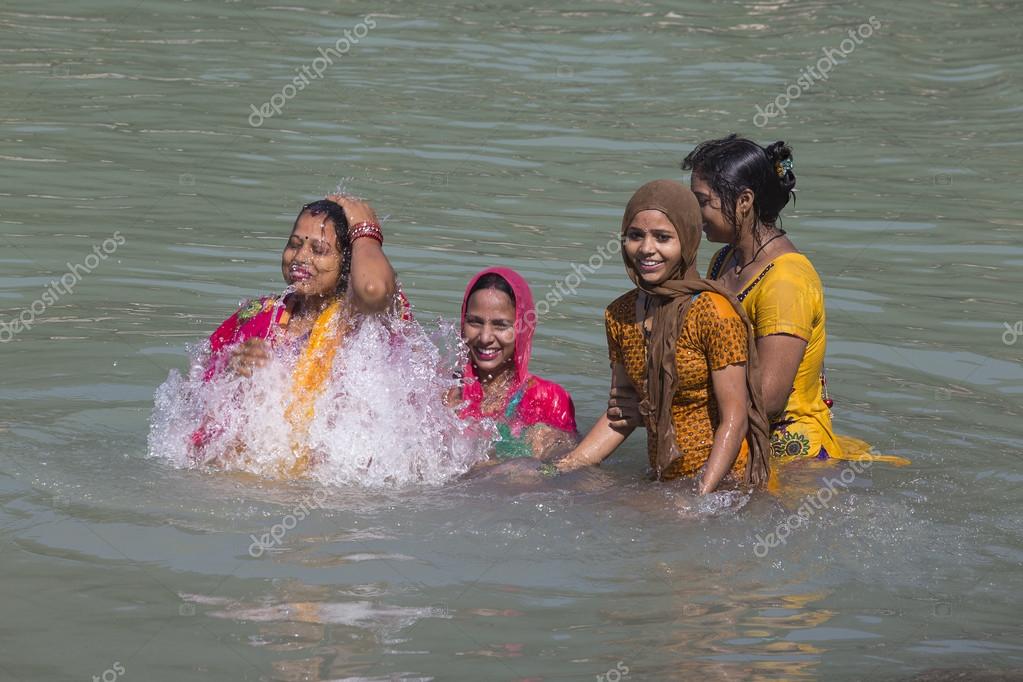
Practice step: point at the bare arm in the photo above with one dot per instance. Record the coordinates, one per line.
(780, 355)
(372, 280)
(729, 385)
(605, 436)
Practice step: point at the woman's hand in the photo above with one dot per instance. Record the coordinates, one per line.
(623, 407)
(247, 356)
(356, 211)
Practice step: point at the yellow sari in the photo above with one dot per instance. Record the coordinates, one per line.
(310, 375)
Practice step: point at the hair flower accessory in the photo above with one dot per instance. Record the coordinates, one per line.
(782, 167)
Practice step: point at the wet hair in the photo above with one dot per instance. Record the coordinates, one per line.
(336, 215)
(492, 280)
(733, 164)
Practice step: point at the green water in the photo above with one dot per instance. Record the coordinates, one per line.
(503, 134)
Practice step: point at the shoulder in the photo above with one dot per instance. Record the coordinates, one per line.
(252, 307)
(712, 321)
(623, 308)
(715, 305)
(795, 267)
(230, 329)
(540, 387)
(547, 402)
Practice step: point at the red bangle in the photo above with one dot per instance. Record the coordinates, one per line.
(366, 229)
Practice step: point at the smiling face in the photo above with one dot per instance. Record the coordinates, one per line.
(311, 261)
(715, 223)
(489, 331)
(652, 245)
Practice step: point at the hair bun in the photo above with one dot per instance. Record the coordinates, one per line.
(780, 156)
(778, 151)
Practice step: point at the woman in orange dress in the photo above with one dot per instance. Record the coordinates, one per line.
(683, 346)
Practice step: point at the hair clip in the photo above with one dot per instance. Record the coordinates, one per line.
(783, 167)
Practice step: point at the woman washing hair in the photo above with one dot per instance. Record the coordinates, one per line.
(334, 265)
(685, 348)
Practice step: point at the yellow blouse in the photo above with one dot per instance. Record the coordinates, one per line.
(787, 297)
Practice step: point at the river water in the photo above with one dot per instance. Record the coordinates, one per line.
(497, 133)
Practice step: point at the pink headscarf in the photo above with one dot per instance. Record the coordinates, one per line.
(525, 326)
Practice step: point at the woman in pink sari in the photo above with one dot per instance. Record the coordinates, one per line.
(534, 417)
(334, 265)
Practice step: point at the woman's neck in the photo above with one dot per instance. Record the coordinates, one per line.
(498, 380)
(750, 247)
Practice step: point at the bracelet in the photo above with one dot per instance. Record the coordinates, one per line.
(366, 229)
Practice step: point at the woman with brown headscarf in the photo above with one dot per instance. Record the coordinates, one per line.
(684, 345)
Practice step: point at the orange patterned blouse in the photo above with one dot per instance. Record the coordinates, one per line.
(713, 336)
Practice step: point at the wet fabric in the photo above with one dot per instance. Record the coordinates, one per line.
(529, 400)
(712, 338)
(787, 297)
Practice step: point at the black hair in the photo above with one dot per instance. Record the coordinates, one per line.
(733, 164)
(336, 215)
(492, 280)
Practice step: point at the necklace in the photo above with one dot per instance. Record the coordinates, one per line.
(495, 391)
(739, 268)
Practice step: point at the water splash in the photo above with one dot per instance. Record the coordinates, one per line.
(380, 421)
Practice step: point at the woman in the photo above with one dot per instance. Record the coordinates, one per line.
(742, 189)
(334, 266)
(534, 417)
(684, 347)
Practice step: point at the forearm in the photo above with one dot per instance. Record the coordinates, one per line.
(724, 450)
(372, 279)
(596, 446)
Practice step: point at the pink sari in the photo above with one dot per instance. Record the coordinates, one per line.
(530, 400)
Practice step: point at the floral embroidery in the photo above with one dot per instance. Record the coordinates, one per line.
(254, 308)
(789, 444)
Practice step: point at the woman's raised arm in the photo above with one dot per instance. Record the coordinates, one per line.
(372, 280)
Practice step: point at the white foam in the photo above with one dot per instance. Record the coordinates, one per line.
(380, 421)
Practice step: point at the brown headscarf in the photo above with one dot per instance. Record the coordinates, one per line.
(670, 301)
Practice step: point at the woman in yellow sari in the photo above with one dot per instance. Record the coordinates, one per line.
(742, 189)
